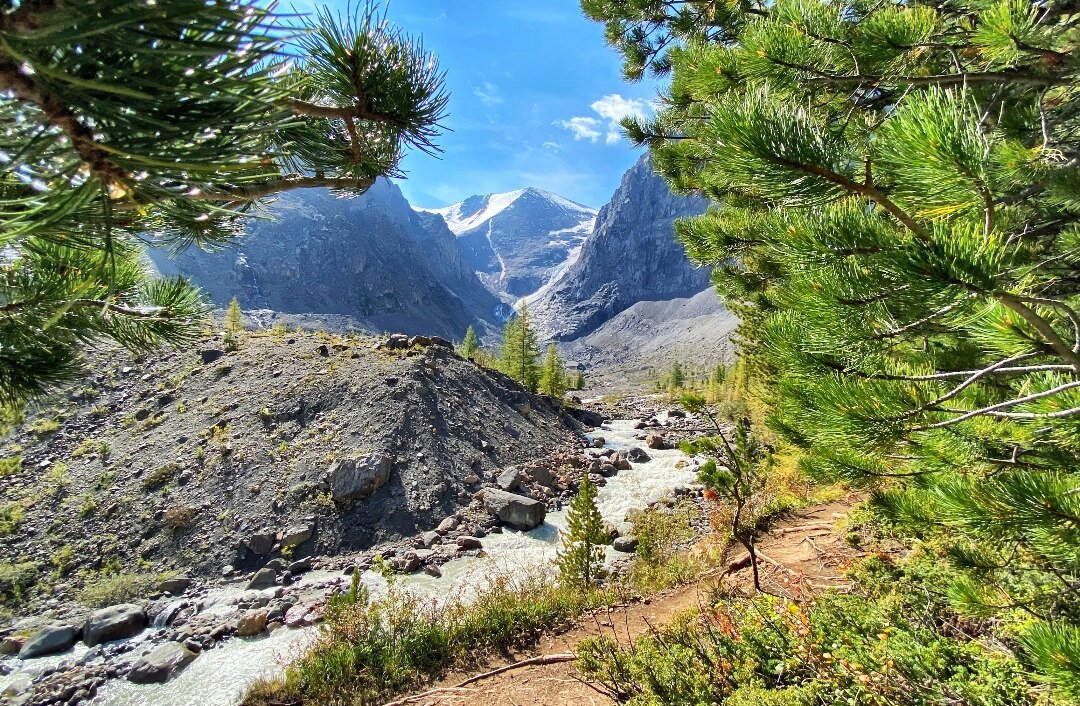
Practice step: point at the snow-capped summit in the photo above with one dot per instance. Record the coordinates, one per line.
(519, 240)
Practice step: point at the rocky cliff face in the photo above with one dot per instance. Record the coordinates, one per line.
(371, 258)
(518, 241)
(630, 256)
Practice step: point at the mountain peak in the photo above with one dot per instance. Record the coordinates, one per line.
(476, 210)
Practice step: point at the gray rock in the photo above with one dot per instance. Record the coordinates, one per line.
(162, 664)
(260, 542)
(542, 475)
(117, 622)
(429, 539)
(627, 544)
(296, 535)
(510, 479)
(469, 543)
(175, 585)
(621, 462)
(516, 511)
(49, 640)
(608, 470)
(265, 577)
(210, 355)
(300, 566)
(447, 525)
(251, 623)
(353, 479)
(638, 455)
(598, 442)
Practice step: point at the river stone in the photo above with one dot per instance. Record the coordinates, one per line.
(515, 510)
(469, 543)
(621, 462)
(265, 577)
(627, 544)
(353, 479)
(251, 623)
(657, 441)
(638, 455)
(542, 476)
(116, 622)
(48, 640)
(162, 664)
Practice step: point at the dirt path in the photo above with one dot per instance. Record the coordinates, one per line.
(801, 553)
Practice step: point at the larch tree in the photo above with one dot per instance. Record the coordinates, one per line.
(553, 381)
(900, 237)
(520, 350)
(127, 121)
(471, 345)
(234, 324)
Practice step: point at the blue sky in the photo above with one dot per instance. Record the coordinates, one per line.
(534, 90)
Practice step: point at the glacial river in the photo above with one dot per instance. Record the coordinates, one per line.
(219, 677)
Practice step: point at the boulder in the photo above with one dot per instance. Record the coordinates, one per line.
(657, 441)
(407, 563)
(447, 525)
(510, 479)
(621, 462)
(251, 623)
(586, 417)
(469, 543)
(395, 342)
(296, 535)
(300, 566)
(627, 544)
(176, 585)
(48, 640)
(440, 341)
(117, 622)
(429, 539)
(638, 455)
(260, 543)
(608, 470)
(265, 577)
(163, 663)
(515, 510)
(598, 442)
(352, 479)
(542, 476)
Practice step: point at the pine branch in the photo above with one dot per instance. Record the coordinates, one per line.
(245, 194)
(993, 410)
(941, 80)
(314, 110)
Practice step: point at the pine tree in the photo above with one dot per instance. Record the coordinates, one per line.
(521, 351)
(234, 325)
(581, 560)
(471, 345)
(553, 380)
(676, 378)
(174, 119)
(579, 381)
(899, 237)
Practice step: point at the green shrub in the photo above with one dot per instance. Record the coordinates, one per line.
(180, 517)
(16, 580)
(10, 464)
(106, 589)
(44, 426)
(161, 476)
(11, 514)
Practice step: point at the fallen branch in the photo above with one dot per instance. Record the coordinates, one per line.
(803, 528)
(775, 563)
(420, 697)
(532, 661)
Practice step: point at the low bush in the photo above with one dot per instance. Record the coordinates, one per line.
(104, 590)
(16, 581)
(161, 476)
(371, 650)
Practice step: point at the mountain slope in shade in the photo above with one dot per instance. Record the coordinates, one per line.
(371, 258)
(630, 256)
(518, 241)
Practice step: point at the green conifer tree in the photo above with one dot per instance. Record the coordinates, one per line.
(899, 238)
(581, 559)
(471, 345)
(676, 378)
(579, 381)
(175, 119)
(234, 325)
(553, 380)
(521, 353)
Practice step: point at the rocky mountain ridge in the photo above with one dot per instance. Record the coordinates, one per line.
(520, 240)
(372, 259)
(631, 256)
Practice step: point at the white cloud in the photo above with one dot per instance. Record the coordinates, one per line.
(582, 128)
(552, 145)
(488, 93)
(612, 109)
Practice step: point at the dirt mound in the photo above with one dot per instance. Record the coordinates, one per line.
(297, 444)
